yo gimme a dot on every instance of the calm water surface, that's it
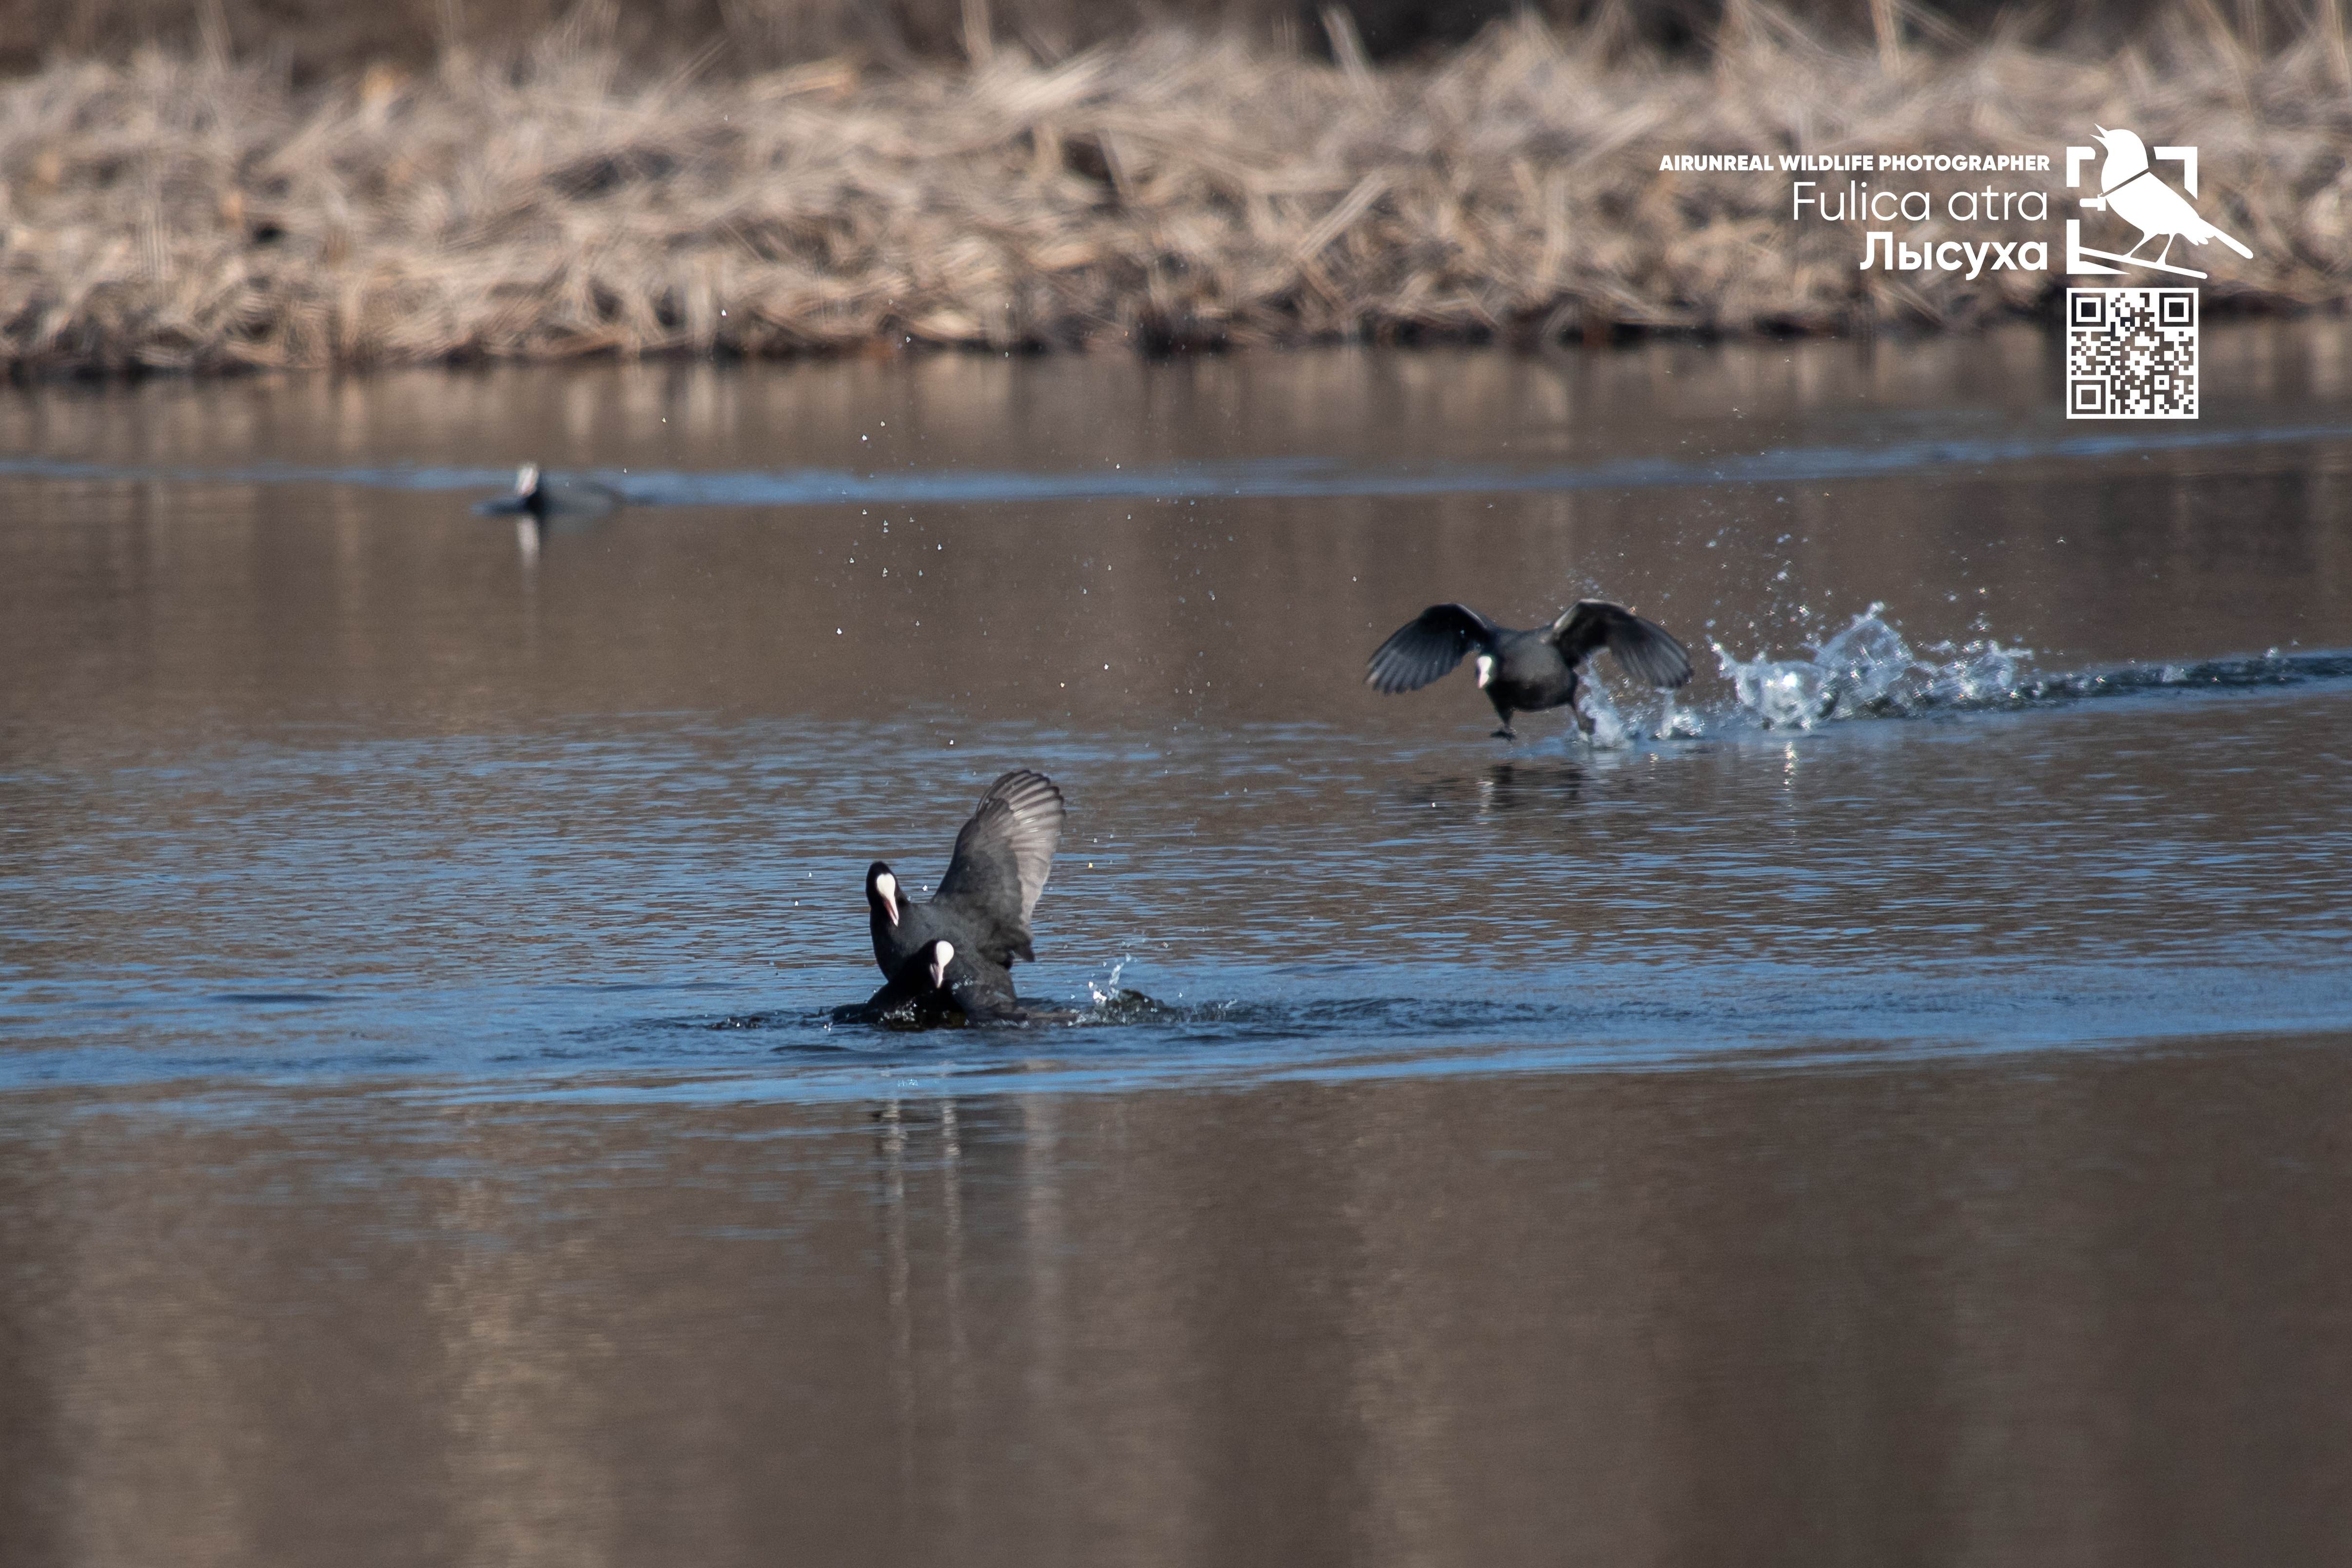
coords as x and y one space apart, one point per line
1887 1107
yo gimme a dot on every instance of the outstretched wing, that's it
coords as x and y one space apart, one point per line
1427 647
1643 648
1002 857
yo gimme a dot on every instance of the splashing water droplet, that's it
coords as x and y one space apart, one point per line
1867 668
1609 729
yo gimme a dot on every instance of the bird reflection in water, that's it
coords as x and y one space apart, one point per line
1520 786
1522 783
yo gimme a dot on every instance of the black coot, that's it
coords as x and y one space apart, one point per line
982 910
1528 671
929 992
544 497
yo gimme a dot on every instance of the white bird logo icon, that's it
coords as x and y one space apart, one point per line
2131 189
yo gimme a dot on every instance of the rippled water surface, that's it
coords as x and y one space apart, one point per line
1884 1107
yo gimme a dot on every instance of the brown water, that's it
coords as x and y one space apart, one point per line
1911 1133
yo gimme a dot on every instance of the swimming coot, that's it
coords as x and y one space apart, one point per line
543 496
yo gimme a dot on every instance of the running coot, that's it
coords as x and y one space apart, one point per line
1528 671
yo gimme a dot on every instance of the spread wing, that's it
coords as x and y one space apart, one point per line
1644 647
1002 857
1427 647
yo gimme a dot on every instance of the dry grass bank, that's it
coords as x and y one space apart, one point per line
317 39
194 212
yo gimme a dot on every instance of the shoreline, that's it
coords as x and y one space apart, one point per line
1172 191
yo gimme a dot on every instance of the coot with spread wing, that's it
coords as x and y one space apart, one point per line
1528 671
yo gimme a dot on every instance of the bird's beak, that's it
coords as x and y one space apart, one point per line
938 975
941 956
887 886
2103 134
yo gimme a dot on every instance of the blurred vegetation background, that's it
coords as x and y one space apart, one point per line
224 184
316 38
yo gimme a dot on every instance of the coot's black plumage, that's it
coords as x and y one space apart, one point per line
542 496
937 986
1001 859
1528 671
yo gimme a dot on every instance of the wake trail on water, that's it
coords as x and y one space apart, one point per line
1265 478
1867 670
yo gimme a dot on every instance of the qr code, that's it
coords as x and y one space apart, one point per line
2131 354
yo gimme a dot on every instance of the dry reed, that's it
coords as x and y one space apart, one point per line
194 212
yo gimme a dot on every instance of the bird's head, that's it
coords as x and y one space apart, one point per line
936 959
2123 144
882 891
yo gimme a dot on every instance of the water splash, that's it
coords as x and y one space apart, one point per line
1868 669
1610 732
1123 1007
1678 723
1109 991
